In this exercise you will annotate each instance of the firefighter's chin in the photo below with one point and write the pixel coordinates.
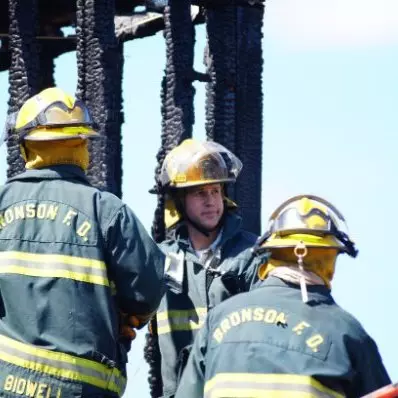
(209, 220)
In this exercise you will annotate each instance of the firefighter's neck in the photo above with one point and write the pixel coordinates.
(199, 240)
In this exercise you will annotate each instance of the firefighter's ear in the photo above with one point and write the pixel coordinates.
(230, 204)
(128, 332)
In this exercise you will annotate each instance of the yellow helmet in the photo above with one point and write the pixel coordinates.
(52, 115)
(311, 220)
(195, 163)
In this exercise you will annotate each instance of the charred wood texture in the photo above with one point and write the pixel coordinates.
(177, 110)
(47, 67)
(153, 357)
(234, 62)
(24, 75)
(100, 64)
(177, 91)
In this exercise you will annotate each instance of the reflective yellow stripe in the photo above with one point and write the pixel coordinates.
(164, 315)
(259, 385)
(54, 265)
(253, 393)
(61, 365)
(181, 320)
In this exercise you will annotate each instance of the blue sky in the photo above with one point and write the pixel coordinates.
(330, 128)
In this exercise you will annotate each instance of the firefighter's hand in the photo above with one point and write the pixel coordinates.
(131, 322)
(127, 325)
(128, 332)
(134, 321)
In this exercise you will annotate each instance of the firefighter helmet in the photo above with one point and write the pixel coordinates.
(52, 115)
(194, 163)
(311, 220)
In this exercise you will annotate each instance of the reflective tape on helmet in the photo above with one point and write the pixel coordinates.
(55, 266)
(181, 320)
(61, 365)
(225, 385)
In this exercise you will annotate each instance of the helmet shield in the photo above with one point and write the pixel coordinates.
(50, 115)
(195, 163)
(58, 115)
(318, 220)
(308, 215)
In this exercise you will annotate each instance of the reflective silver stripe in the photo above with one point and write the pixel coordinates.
(75, 268)
(118, 381)
(60, 365)
(54, 265)
(180, 320)
(269, 385)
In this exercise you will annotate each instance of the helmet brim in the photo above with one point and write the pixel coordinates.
(310, 241)
(48, 135)
(199, 183)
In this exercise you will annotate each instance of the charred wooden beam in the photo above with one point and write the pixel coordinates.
(177, 109)
(177, 89)
(129, 26)
(234, 96)
(100, 65)
(24, 75)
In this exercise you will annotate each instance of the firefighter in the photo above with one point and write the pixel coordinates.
(71, 258)
(206, 236)
(287, 336)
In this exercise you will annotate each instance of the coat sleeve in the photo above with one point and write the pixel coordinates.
(136, 265)
(192, 383)
(371, 373)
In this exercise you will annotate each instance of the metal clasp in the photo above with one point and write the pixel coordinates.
(300, 251)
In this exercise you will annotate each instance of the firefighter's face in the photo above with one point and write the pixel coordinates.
(204, 205)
